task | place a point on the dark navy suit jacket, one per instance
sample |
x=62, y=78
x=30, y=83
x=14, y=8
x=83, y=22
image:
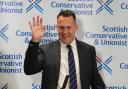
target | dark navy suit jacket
x=46, y=58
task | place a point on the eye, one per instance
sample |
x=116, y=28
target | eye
x=61, y=27
x=68, y=27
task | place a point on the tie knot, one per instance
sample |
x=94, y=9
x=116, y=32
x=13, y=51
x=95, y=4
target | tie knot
x=68, y=46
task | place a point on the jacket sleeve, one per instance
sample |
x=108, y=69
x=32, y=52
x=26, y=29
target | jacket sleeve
x=34, y=58
x=96, y=81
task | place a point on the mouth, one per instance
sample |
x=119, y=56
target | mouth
x=65, y=36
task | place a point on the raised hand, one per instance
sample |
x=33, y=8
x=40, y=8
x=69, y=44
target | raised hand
x=37, y=29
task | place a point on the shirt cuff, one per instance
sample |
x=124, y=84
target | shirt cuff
x=31, y=43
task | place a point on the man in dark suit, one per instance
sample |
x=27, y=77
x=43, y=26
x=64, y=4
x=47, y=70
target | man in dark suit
x=53, y=58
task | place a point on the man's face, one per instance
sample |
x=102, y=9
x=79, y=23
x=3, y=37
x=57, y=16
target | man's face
x=66, y=28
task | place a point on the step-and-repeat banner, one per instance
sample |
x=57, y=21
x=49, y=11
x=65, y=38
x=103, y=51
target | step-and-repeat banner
x=102, y=23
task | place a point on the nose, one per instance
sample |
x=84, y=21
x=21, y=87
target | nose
x=65, y=31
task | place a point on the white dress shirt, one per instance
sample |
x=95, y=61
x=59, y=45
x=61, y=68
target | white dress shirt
x=64, y=68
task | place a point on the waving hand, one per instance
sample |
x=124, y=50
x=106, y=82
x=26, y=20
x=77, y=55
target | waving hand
x=37, y=29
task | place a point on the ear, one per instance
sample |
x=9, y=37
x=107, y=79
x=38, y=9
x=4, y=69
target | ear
x=77, y=26
x=57, y=29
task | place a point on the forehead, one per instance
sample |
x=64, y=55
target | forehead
x=62, y=19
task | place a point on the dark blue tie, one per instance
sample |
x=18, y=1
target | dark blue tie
x=72, y=69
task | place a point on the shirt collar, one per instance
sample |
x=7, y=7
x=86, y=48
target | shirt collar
x=73, y=44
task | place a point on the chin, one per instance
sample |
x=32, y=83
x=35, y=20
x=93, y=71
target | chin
x=66, y=42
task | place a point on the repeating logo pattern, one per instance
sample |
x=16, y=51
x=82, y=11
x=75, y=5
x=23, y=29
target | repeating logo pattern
x=104, y=6
x=104, y=64
x=34, y=4
x=5, y=86
x=2, y=33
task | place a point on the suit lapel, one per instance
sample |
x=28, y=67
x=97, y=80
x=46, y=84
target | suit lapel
x=82, y=63
x=57, y=58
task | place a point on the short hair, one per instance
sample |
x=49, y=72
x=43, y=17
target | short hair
x=67, y=13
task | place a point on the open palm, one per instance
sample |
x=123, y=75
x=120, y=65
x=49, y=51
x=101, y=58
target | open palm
x=37, y=29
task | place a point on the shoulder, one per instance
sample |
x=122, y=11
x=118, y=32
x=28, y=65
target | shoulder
x=84, y=45
x=50, y=45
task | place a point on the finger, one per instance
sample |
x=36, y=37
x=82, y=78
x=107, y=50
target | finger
x=40, y=21
x=37, y=21
x=43, y=29
x=30, y=24
x=33, y=21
